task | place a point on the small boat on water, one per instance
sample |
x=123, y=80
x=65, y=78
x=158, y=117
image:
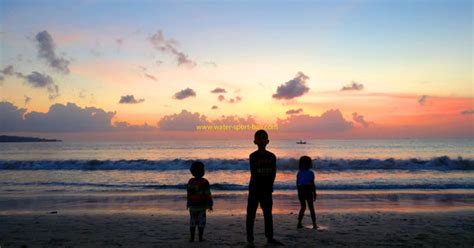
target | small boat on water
x=301, y=142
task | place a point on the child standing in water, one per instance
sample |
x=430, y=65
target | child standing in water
x=199, y=199
x=306, y=189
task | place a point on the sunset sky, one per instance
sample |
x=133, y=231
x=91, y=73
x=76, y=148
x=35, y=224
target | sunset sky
x=97, y=69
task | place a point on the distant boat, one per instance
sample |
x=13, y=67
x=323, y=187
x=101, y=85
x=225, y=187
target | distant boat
x=301, y=142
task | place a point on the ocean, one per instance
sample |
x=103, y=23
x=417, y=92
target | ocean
x=351, y=175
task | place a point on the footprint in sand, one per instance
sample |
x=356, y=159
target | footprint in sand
x=321, y=228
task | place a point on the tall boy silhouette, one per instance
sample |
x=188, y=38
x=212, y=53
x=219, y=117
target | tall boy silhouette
x=263, y=172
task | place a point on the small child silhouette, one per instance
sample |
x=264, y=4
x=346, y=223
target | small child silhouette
x=199, y=200
x=306, y=189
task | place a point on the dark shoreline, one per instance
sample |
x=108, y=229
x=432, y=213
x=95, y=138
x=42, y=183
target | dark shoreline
x=19, y=139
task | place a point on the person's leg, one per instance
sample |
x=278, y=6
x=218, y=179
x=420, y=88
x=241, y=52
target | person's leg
x=302, y=209
x=193, y=231
x=311, y=210
x=266, y=204
x=252, y=205
x=192, y=225
x=202, y=224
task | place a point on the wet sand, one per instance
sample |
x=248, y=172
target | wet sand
x=354, y=229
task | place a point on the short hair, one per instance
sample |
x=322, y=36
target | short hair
x=197, y=169
x=305, y=163
x=261, y=133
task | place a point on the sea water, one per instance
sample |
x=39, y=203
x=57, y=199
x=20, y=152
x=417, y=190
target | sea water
x=351, y=175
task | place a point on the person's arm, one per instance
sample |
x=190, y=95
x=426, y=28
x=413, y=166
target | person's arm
x=297, y=174
x=273, y=176
x=314, y=186
x=252, y=165
x=188, y=195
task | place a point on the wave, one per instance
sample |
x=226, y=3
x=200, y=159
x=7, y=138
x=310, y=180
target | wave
x=442, y=163
x=239, y=187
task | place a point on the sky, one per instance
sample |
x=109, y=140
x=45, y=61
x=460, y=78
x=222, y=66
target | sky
x=145, y=70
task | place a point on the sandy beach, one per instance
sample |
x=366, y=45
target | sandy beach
x=367, y=229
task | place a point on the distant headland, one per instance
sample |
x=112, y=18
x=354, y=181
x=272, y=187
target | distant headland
x=5, y=139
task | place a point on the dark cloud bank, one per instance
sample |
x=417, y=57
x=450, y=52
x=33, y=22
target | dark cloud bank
x=330, y=121
x=187, y=121
x=61, y=118
x=72, y=118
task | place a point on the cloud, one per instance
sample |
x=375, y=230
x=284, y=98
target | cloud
x=359, y=119
x=125, y=126
x=151, y=77
x=210, y=63
x=354, y=86
x=184, y=121
x=46, y=50
x=69, y=118
x=187, y=121
x=293, y=88
x=170, y=46
x=218, y=90
x=59, y=118
x=222, y=98
x=130, y=99
x=8, y=71
x=62, y=118
x=294, y=111
x=235, y=100
x=38, y=80
x=11, y=117
x=232, y=120
x=330, y=121
x=214, y=107
x=468, y=112
x=2, y=78
x=188, y=92
x=27, y=99
x=422, y=100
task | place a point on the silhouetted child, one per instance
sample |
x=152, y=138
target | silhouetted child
x=263, y=172
x=306, y=189
x=199, y=199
